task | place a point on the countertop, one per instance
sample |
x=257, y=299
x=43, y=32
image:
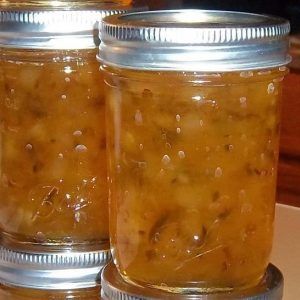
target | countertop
x=286, y=249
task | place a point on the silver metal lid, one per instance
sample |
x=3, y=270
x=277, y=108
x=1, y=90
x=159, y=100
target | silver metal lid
x=194, y=40
x=114, y=287
x=52, y=271
x=65, y=29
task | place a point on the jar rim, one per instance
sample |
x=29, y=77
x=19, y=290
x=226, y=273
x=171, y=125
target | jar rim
x=52, y=270
x=52, y=29
x=114, y=287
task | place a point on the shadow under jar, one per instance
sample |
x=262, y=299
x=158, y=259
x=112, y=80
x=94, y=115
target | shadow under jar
x=53, y=187
x=193, y=104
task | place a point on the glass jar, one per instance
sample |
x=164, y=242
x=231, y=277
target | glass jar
x=193, y=131
x=289, y=162
x=53, y=187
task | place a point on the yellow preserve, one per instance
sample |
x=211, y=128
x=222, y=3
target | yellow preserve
x=193, y=162
x=19, y=293
x=193, y=121
x=53, y=161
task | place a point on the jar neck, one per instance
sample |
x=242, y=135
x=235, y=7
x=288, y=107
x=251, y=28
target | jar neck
x=35, y=56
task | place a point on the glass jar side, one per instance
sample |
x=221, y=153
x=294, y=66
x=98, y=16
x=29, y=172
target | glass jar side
x=192, y=175
x=18, y=293
x=53, y=186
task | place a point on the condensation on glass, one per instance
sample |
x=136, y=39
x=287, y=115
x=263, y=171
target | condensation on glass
x=193, y=131
x=53, y=185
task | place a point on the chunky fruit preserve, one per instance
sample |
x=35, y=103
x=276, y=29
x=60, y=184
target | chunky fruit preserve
x=193, y=160
x=53, y=187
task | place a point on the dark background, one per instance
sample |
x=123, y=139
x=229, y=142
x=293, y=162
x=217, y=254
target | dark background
x=289, y=9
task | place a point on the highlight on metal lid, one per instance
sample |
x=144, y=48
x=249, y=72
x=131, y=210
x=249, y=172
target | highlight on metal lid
x=52, y=29
x=114, y=287
x=52, y=271
x=194, y=40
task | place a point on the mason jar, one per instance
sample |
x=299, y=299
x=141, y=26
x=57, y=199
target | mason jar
x=193, y=114
x=53, y=181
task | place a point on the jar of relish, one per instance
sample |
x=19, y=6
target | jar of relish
x=53, y=181
x=193, y=110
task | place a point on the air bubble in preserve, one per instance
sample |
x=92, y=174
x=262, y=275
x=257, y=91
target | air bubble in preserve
x=63, y=97
x=246, y=74
x=201, y=123
x=197, y=98
x=196, y=238
x=77, y=216
x=80, y=148
x=77, y=133
x=271, y=88
x=181, y=154
x=178, y=118
x=141, y=147
x=68, y=70
x=178, y=130
x=40, y=236
x=243, y=101
x=218, y=172
x=28, y=147
x=60, y=155
x=138, y=117
x=166, y=159
x=67, y=79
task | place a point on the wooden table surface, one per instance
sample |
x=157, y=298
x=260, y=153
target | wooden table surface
x=288, y=191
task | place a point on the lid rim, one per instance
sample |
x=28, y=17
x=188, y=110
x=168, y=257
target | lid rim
x=44, y=29
x=58, y=270
x=114, y=287
x=132, y=35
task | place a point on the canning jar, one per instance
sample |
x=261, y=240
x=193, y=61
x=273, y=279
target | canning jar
x=193, y=103
x=289, y=162
x=53, y=181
